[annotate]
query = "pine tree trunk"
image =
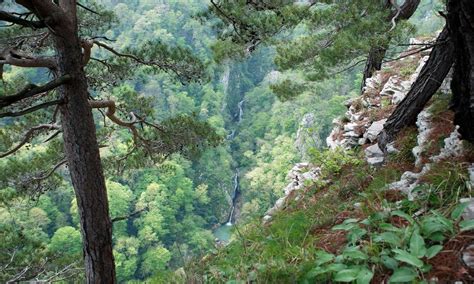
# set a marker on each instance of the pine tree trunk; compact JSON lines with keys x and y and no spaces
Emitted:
{"x":461,"y":25}
{"x":428,"y":82}
{"x":374,"y":63}
{"x":82,"y":153}
{"x":377,"y":54}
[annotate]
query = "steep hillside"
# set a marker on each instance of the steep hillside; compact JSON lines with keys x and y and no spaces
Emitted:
{"x":353,"y":213}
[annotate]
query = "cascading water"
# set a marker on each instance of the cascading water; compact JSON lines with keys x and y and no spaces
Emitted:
{"x":234,"y":197}
{"x":224,"y":232}
{"x":240,"y":105}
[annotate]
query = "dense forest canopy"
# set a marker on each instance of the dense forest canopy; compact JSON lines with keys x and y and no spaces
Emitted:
{"x":136,"y":134}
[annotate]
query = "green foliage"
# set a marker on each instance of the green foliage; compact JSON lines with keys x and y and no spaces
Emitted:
{"x":332,"y":162}
{"x":66,"y":245}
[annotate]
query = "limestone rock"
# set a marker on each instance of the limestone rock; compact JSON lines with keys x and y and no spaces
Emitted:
{"x":374,"y":151}
{"x":374,"y":155}
{"x":396,"y":89}
{"x":374,"y":130}
{"x":375,"y":161}
{"x":468,"y":213}
{"x":468,"y":256}
{"x":391,"y":148}
{"x":373,"y":83}
{"x":452,"y":147}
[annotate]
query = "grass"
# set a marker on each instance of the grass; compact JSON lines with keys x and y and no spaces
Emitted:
{"x":286,"y":250}
{"x":405,"y":142}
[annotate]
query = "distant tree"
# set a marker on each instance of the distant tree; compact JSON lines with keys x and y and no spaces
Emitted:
{"x":59,"y":38}
{"x":336,"y":34}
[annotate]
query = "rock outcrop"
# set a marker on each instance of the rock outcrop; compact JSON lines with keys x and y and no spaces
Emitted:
{"x":364,"y":121}
{"x":300,"y":175}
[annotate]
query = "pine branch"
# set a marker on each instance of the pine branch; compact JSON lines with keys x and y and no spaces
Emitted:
{"x":31,"y":109}
{"x":10,"y":18}
{"x":31,"y":90}
{"x":28,"y":136}
{"x":121,"y":218}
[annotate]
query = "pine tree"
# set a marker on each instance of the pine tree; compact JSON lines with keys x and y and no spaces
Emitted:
{"x":58,"y":36}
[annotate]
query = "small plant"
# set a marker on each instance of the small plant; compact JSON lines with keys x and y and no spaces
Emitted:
{"x":332,"y":161}
{"x":378,"y":244}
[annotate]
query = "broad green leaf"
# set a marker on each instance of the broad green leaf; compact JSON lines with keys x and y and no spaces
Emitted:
{"x":356,"y":234}
{"x":350,"y":220}
{"x":403,"y":215}
{"x":336,"y":267}
{"x":315,"y":272}
{"x":346,"y":275}
{"x":426,"y":268}
{"x":403,"y":274}
{"x":323,"y":257}
{"x":417,"y":245}
{"x":432,"y":225}
{"x":466,"y":225}
{"x":388,"y":237}
{"x":364,"y":276}
{"x":458,"y":210}
{"x":443,"y":220}
{"x":433,"y":251}
{"x":389,"y":227}
{"x":345,"y":227}
{"x":437,"y":237}
{"x":389,"y":262}
{"x":354,"y":253}
{"x":406,"y":257}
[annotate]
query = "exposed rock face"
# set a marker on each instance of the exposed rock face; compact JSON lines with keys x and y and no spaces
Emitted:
{"x":374,"y":155}
{"x":361,"y":127}
{"x":396,"y":89}
{"x":423,"y":123}
{"x":374,"y":130}
{"x":364,"y":121}
{"x":300,"y":175}
{"x":468,"y":256}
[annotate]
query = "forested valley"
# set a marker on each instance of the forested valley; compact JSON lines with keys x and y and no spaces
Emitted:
{"x":195,"y":141}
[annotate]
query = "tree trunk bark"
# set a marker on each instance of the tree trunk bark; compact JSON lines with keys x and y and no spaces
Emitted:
{"x":461,"y":26}
{"x":82,"y":153}
{"x":374,"y":63}
{"x":428,"y":82}
{"x":377,"y":54}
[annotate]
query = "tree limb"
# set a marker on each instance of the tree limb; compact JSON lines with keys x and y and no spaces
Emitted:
{"x":8,"y":17}
{"x":32,"y":90}
{"x":131,"y":215}
{"x":31,"y":109}
{"x":15,"y":58}
{"x":48,"y":174}
{"x":28,"y":135}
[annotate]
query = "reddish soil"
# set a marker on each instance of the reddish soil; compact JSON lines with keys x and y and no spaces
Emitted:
{"x":448,"y":266}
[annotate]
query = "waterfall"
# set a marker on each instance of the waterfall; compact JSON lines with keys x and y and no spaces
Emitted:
{"x":241,"y":110}
{"x":225,"y":78}
{"x":234,"y":197}
{"x":229,"y":222}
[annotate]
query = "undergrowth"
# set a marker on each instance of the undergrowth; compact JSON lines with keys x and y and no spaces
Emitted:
{"x":351,"y":229}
